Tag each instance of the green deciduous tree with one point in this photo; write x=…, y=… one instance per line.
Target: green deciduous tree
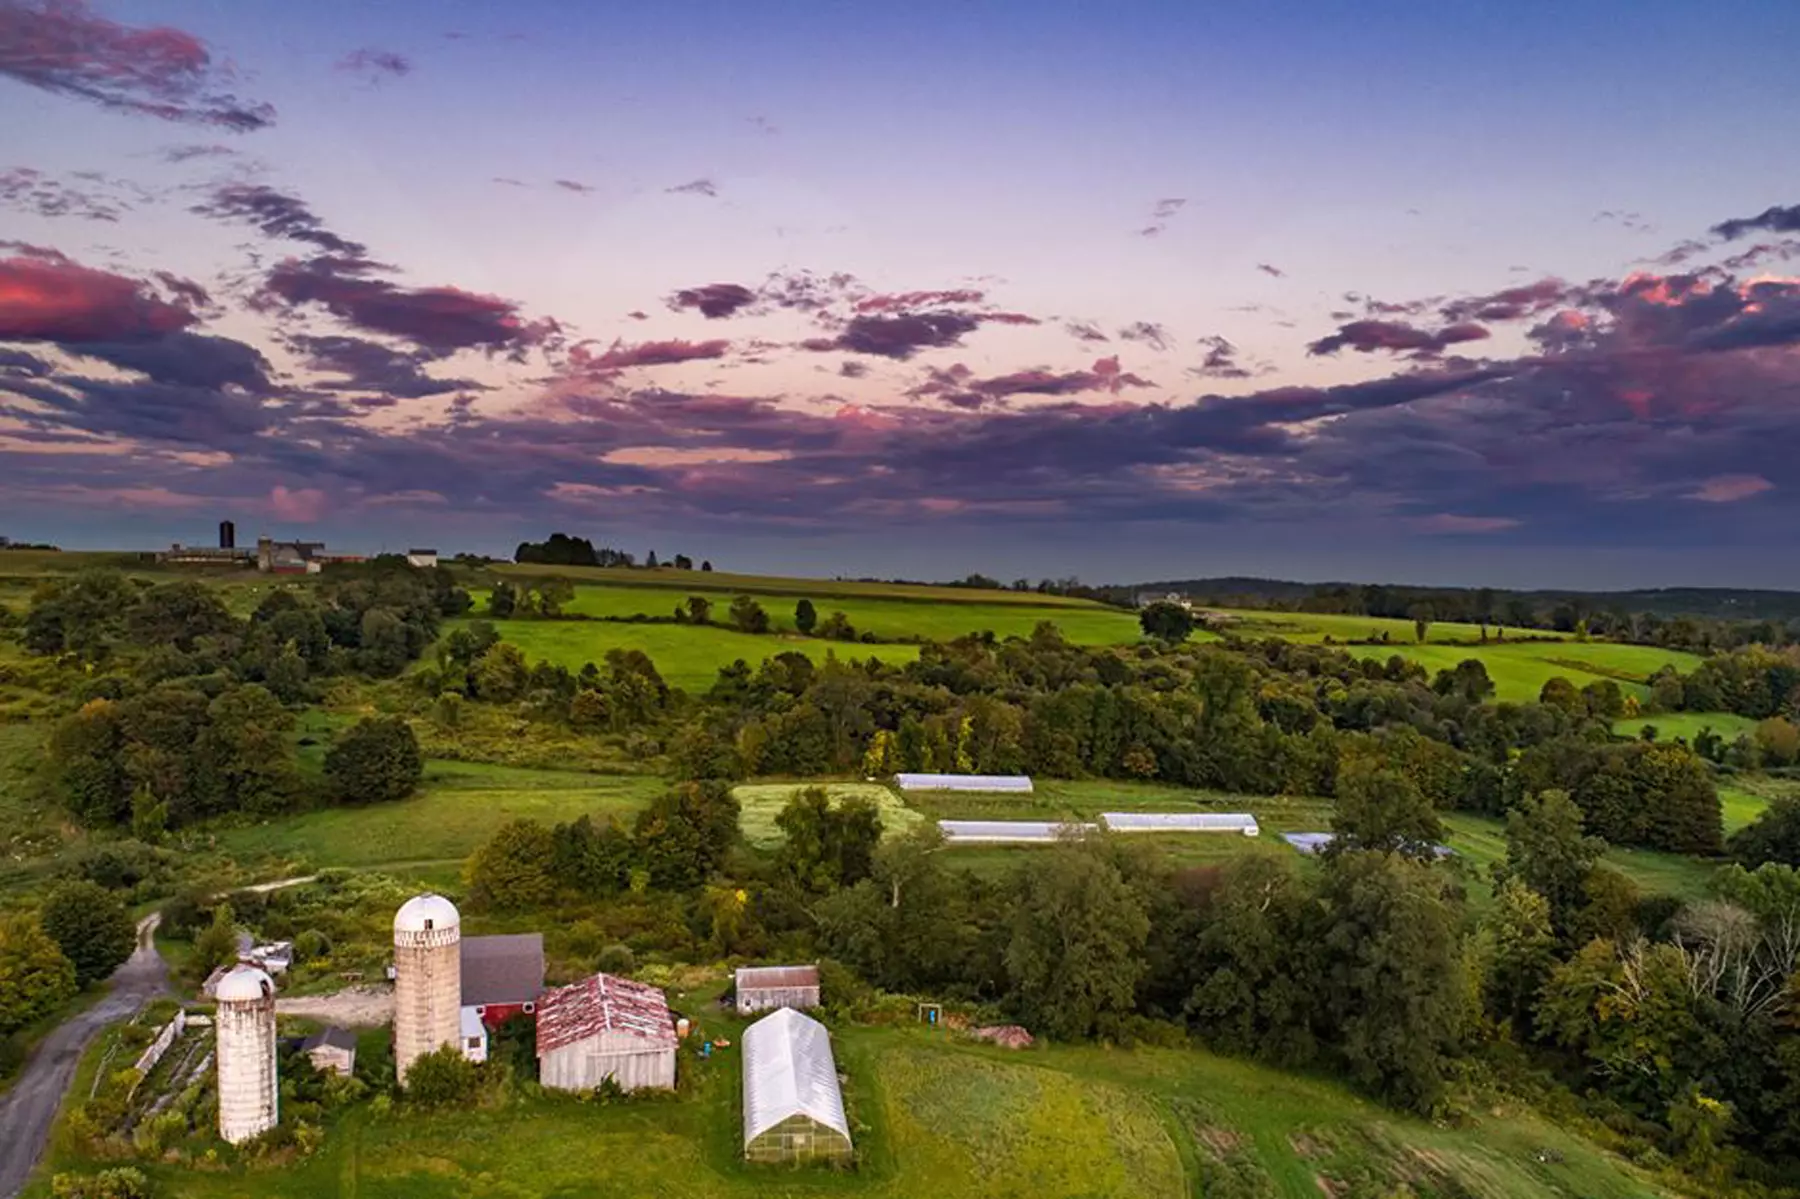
x=376, y=760
x=1075, y=952
x=1518, y=951
x=1166, y=621
x=34, y=975
x=1380, y=808
x=828, y=845
x=1547, y=851
x=91, y=927
x=806, y=617
x=514, y=868
x=443, y=1078
x=748, y=615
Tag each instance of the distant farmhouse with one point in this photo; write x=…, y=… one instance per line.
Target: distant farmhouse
x=760, y=988
x=423, y=559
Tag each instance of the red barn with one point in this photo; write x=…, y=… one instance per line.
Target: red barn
x=502, y=976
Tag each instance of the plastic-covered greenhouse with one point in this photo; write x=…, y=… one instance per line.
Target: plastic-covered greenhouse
x=961, y=832
x=793, y=1109
x=1017, y=784
x=1181, y=822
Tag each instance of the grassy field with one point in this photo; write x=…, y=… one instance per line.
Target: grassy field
x=1521, y=668
x=1685, y=725
x=1316, y=626
x=686, y=582
x=760, y=803
x=938, y=619
x=460, y=804
x=687, y=657
x=1481, y=841
x=937, y=1116
x=1745, y=796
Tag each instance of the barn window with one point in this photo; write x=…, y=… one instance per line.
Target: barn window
x=474, y=1042
x=530, y=1007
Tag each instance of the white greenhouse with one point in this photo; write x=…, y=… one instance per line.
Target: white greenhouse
x=1015, y=784
x=1181, y=822
x=973, y=832
x=793, y=1107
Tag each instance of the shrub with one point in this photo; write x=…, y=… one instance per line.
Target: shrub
x=442, y=1078
x=376, y=761
x=92, y=928
x=123, y=1182
x=617, y=959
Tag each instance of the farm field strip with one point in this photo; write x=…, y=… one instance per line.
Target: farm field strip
x=688, y=581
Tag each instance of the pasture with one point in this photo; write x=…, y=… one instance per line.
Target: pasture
x=687, y=656
x=936, y=1115
x=1520, y=669
x=760, y=803
x=687, y=582
x=458, y=806
x=1480, y=841
x=1685, y=725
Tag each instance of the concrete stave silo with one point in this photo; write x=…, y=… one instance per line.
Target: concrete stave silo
x=249, y=1088
x=427, y=979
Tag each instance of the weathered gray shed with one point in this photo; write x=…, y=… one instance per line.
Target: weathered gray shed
x=605, y=1027
x=332, y=1049
x=760, y=988
x=793, y=1107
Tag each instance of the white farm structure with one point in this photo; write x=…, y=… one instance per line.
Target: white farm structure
x=1002, y=832
x=249, y=1091
x=793, y=1107
x=1181, y=822
x=605, y=1027
x=1010, y=784
x=759, y=988
x=427, y=979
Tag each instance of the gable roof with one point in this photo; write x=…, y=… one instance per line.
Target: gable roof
x=503, y=969
x=603, y=1003
x=752, y=978
x=789, y=1071
x=335, y=1037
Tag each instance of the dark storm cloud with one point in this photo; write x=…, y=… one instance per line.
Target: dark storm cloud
x=1770, y=220
x=62, y=47
x=276, y=214
x=45, y=296
x=19, y=362
x=372, y=367
x=375, y=64
x=439, y=319
x=713, y=301
x=1368, y=336
x=190, y=360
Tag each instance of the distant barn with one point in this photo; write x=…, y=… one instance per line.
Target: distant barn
x=760, y=988
x=972, y=832
x=1181, y=822
x=605, y=1027
x=332, y=1049
x=793, y=1107
x=1016, y=784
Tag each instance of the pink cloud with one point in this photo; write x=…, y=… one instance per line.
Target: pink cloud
x=1450, y=522
x=305, y=504
x=1728, y=489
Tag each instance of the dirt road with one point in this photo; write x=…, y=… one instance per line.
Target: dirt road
x=353, y=1007
x=27, y=1110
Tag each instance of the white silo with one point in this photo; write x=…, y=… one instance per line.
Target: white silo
x=249, y=1091
x=427, y=978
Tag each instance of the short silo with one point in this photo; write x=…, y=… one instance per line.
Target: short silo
x=249, y=1091
x=427, y=979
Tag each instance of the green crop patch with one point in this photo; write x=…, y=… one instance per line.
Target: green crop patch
x=760, y=803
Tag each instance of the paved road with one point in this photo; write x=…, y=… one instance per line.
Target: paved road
x=27, y=1110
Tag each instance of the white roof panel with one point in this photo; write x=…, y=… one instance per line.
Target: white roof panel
x=966, y=831
x=1181, y=822
x=1013, y=783
x=789, y=1071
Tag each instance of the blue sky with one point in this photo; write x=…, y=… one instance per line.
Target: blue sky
x=1030, y=289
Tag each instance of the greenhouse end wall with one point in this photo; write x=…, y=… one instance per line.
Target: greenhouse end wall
x=799, y=1139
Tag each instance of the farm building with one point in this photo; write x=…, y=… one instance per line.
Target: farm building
x=1016, y=784
x=424, y=559
x=793, y=1108
x=605, y=1027
x=472, y=1036
x=1311, y=843
x=332, y=1049
x=760, y=988
x=1181, y=822
x=973, y=832
x=502, y=976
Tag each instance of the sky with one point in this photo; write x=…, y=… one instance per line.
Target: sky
x=1460, y=293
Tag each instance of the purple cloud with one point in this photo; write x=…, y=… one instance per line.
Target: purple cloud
x=696, y=187
x=1770, y=220
x=276, y=214
x=1368, y=336
x=375, y=65
x=714, y=300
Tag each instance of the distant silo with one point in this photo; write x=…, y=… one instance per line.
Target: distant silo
x=427, y=978
x=227, y=535
x=249, y=1094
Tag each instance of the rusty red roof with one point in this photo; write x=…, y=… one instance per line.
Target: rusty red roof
x=603, y=1003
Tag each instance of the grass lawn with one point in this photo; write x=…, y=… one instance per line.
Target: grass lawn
x=1481, y=841
x=935, y=620
x=1685, y=725
x=686, y=582
x=760, y=803
x=937, y=1116
x=687, y=657
x=460, y=804
x=1744, y=796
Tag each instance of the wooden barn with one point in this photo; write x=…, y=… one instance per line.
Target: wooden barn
x=793, y=1107
x=760, y=988
x=605, y=1027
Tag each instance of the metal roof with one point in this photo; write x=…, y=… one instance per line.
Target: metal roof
x=426, y=911
x=508, y=968
x=603, y=1003
x=751, y=978
x=1181, y=822
x=968, y=831
x=789, y=1071
x=245, y=983
x=337, y=1038
x=964, y=782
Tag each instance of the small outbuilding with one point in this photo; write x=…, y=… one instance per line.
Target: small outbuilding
x=760, y=988
x=605, y=1027
x=793, y=1107
x=332, y=1049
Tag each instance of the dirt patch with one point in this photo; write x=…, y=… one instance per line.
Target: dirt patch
x=353, y=1007
x=1330, y=1187
x=1220, y=1142
x=1306, y=1146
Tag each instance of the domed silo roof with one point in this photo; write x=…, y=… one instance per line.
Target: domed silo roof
x=244, y=983
x=423, y=912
